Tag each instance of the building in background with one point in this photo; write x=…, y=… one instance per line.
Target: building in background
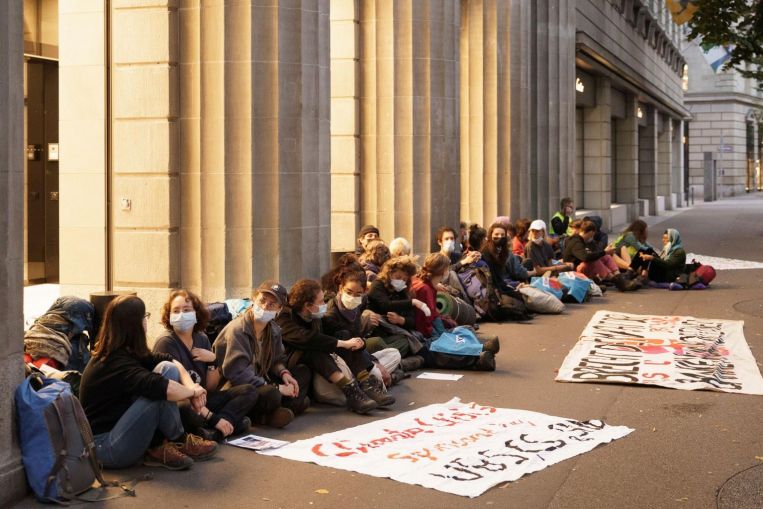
x=726, y=133
x=212, y=145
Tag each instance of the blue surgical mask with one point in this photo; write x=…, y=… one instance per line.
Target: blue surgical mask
x=261, y=315
x=319, y=314
x=182, y=322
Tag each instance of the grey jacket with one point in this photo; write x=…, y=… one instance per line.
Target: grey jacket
x=236, y=351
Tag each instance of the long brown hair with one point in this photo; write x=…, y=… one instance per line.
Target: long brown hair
x=491, y=250
x=638, y=228
x=122, y=328
x=434, y=265
x=202, y=314
x=263, y=350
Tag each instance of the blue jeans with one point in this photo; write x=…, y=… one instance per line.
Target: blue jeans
x=126, y=443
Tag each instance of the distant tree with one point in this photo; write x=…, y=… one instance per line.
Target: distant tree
x=737, y=23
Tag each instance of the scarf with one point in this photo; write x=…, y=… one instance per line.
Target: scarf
x=674, y=244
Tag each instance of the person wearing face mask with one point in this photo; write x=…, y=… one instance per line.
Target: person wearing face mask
x=184, y=317
x=250, y=351
x=506, y=269
x=130, y=396
x=539, y=251
x=446, y=239
x=305, y=341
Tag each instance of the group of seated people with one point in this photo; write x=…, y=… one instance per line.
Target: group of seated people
x=348, y=337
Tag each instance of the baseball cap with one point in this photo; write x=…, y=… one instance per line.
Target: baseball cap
x=275, y=289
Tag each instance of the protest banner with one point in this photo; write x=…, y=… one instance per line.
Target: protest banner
x=455, y=447
x=680, y=352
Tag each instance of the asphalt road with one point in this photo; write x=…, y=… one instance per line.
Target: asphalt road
x=685, y=446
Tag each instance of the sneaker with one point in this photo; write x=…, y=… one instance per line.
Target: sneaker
x=169, y=456
x=674, y=287
x=357, y=400
x=486, y=362
x=374, y=389
x=279, y=417
x=197, y=448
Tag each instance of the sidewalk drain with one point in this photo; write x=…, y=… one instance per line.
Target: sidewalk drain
x=752, y=307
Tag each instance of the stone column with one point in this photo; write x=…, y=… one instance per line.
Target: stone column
x=665, y=164
x=627, y=151
x=647, y=164
x=552, y=105
x=345, y=125
x=82, y=164
x=486, y=180
x=145, y=196
x=522, y=33
x=677, y=178
x=12, y=481
x=408, y=118
x=254, y=144
x=597, y=157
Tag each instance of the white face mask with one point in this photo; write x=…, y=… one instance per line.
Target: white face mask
x=182, y=322
x=351, y=302
x=538, y=241
x=449, y=246
x=319, y=314
x=261, y=315
x=398, y=284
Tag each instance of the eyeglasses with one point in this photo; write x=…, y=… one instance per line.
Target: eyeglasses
x=147, y=316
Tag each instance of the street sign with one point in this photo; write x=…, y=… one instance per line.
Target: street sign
x=725, y=149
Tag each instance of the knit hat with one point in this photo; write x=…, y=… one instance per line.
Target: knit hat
x=369, y=228
x=538, y=224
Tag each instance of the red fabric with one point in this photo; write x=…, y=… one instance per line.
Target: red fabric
x=518, y=247
x=427, y=294
x=42, y=360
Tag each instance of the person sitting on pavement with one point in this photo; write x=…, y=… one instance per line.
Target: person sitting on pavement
x=519, y=240
x=595, y=264
x=540, y=253
x=250, y=351
x=306, y=342
x=506, y=269
x=347, y=316
x=560, y=221
x=399, y=247
x=600, y=238
x=184, y=317
x=390, y=296
x=629, y=243
x=374, y=257
x=432, y=325
x=330, y=280
x=670, y=263
x=130, y=396
x=365, y=235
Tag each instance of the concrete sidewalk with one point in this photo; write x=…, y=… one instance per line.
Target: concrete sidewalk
x=685, y=446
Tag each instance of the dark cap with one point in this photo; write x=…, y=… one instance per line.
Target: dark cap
x=369, y=228
x=275, y=289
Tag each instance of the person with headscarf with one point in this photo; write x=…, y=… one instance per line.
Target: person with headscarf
x=671, y=262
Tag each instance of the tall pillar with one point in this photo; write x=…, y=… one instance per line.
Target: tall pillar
x=254, y=144
x=12, y=481
x=145, y=197
x=626, y=157
x=665, y=162
x=486, y=180
x=522, y=33
x=82, y=137
x=552, y=110
x=647, y=164
x=597, y=146
x=345, y=125
x=408, y=118
x=677, y=177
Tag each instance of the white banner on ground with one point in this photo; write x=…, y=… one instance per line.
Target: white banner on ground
x=460, y=448
x=724, y=263
x=680, y=352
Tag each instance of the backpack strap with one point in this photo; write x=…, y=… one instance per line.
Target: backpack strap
x=61, y=453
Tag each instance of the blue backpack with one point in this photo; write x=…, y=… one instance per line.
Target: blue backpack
x=57, y=446
x=458, y=341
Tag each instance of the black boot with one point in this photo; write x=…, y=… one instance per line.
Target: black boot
x=243, y=426
x=374, y=389
x=357, y=400
x=625, y=285
x=412, y=363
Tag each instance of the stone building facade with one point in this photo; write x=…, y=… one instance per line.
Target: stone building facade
x=725, y=138
x=213, y=144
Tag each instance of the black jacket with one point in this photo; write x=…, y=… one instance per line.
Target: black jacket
x=577, y=251
x=383, y=300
